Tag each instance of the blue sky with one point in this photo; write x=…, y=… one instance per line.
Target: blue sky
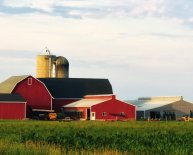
x=144, y=47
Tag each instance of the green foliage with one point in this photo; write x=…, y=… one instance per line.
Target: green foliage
x=123, y=137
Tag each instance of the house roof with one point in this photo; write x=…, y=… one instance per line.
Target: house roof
x=11, y=98
x=86, y=103
x=147, y=103
x=8, y=85
x=76, y=87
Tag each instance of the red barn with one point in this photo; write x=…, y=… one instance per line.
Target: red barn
x=100, y=107
x=31, y=89
x=53, y=93
x=68, y=90
x=12, y=106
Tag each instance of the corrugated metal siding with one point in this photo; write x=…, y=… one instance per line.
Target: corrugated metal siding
x=8, y=85
x=180, y=108
x=12, y=111
x=86, y=102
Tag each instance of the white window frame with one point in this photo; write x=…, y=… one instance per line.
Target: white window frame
x=29, y=81
x=122, y=113
x=104, y=114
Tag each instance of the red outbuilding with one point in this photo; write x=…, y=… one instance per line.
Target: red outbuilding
x=100, y=107
x=12, y=106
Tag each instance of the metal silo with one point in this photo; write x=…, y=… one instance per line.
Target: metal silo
x=62, y=67
x=45, y=64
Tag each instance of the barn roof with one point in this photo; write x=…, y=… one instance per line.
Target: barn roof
x=76, y=87
x=85, y=103
x=8, y=85
x=11, y=98
x=147, y=103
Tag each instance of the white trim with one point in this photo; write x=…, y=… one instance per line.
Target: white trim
x=19, y=82
x=43, y=110
x=51, y=104
x=12, y=102
x=93, y=118
x=25, y=113
x=66, y=98
x=128, y=103
x=45, y=86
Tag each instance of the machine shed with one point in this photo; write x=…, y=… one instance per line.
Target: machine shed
x=163, y=108
x=12, y=106
x=100, y=107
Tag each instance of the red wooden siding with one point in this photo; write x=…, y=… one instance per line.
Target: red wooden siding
x=58, y=103
x=35, y=93
x=113, y=108
x=12, y=110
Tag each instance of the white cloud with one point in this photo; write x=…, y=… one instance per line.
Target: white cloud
x=141, y=56
x=45, y=5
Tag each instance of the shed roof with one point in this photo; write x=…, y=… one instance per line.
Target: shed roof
x=76, y=87
x=86, y=103
x=8, y=85
x=11, y=98
x=147, y=103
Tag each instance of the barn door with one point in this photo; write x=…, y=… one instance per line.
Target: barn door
x=92, y=116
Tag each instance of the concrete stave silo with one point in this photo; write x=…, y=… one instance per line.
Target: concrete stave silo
x=50, y=66
x=62, y=67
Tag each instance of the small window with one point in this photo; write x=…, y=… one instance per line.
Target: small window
x=29, y=81
x=93, y=114
x=104, y=114
x=122, y=113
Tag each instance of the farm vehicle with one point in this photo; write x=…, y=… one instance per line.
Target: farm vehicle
x=40, y=114
x=186, y=118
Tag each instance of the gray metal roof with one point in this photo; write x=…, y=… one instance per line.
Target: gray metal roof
x=11, y=98
x=147, y=103
x=8, y=85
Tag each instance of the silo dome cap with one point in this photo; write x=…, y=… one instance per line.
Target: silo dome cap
x=45, y=51
x=61, y=61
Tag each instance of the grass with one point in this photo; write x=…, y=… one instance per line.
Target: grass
x=88, y=137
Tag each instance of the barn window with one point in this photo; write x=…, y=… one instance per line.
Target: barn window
x=122, y=113
x=104, y=114
x=29, y=81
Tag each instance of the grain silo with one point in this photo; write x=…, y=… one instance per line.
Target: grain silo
x=45, y=63
x=62, y=67
x=50, y=66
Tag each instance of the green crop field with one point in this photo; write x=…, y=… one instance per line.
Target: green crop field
x=87, y=137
